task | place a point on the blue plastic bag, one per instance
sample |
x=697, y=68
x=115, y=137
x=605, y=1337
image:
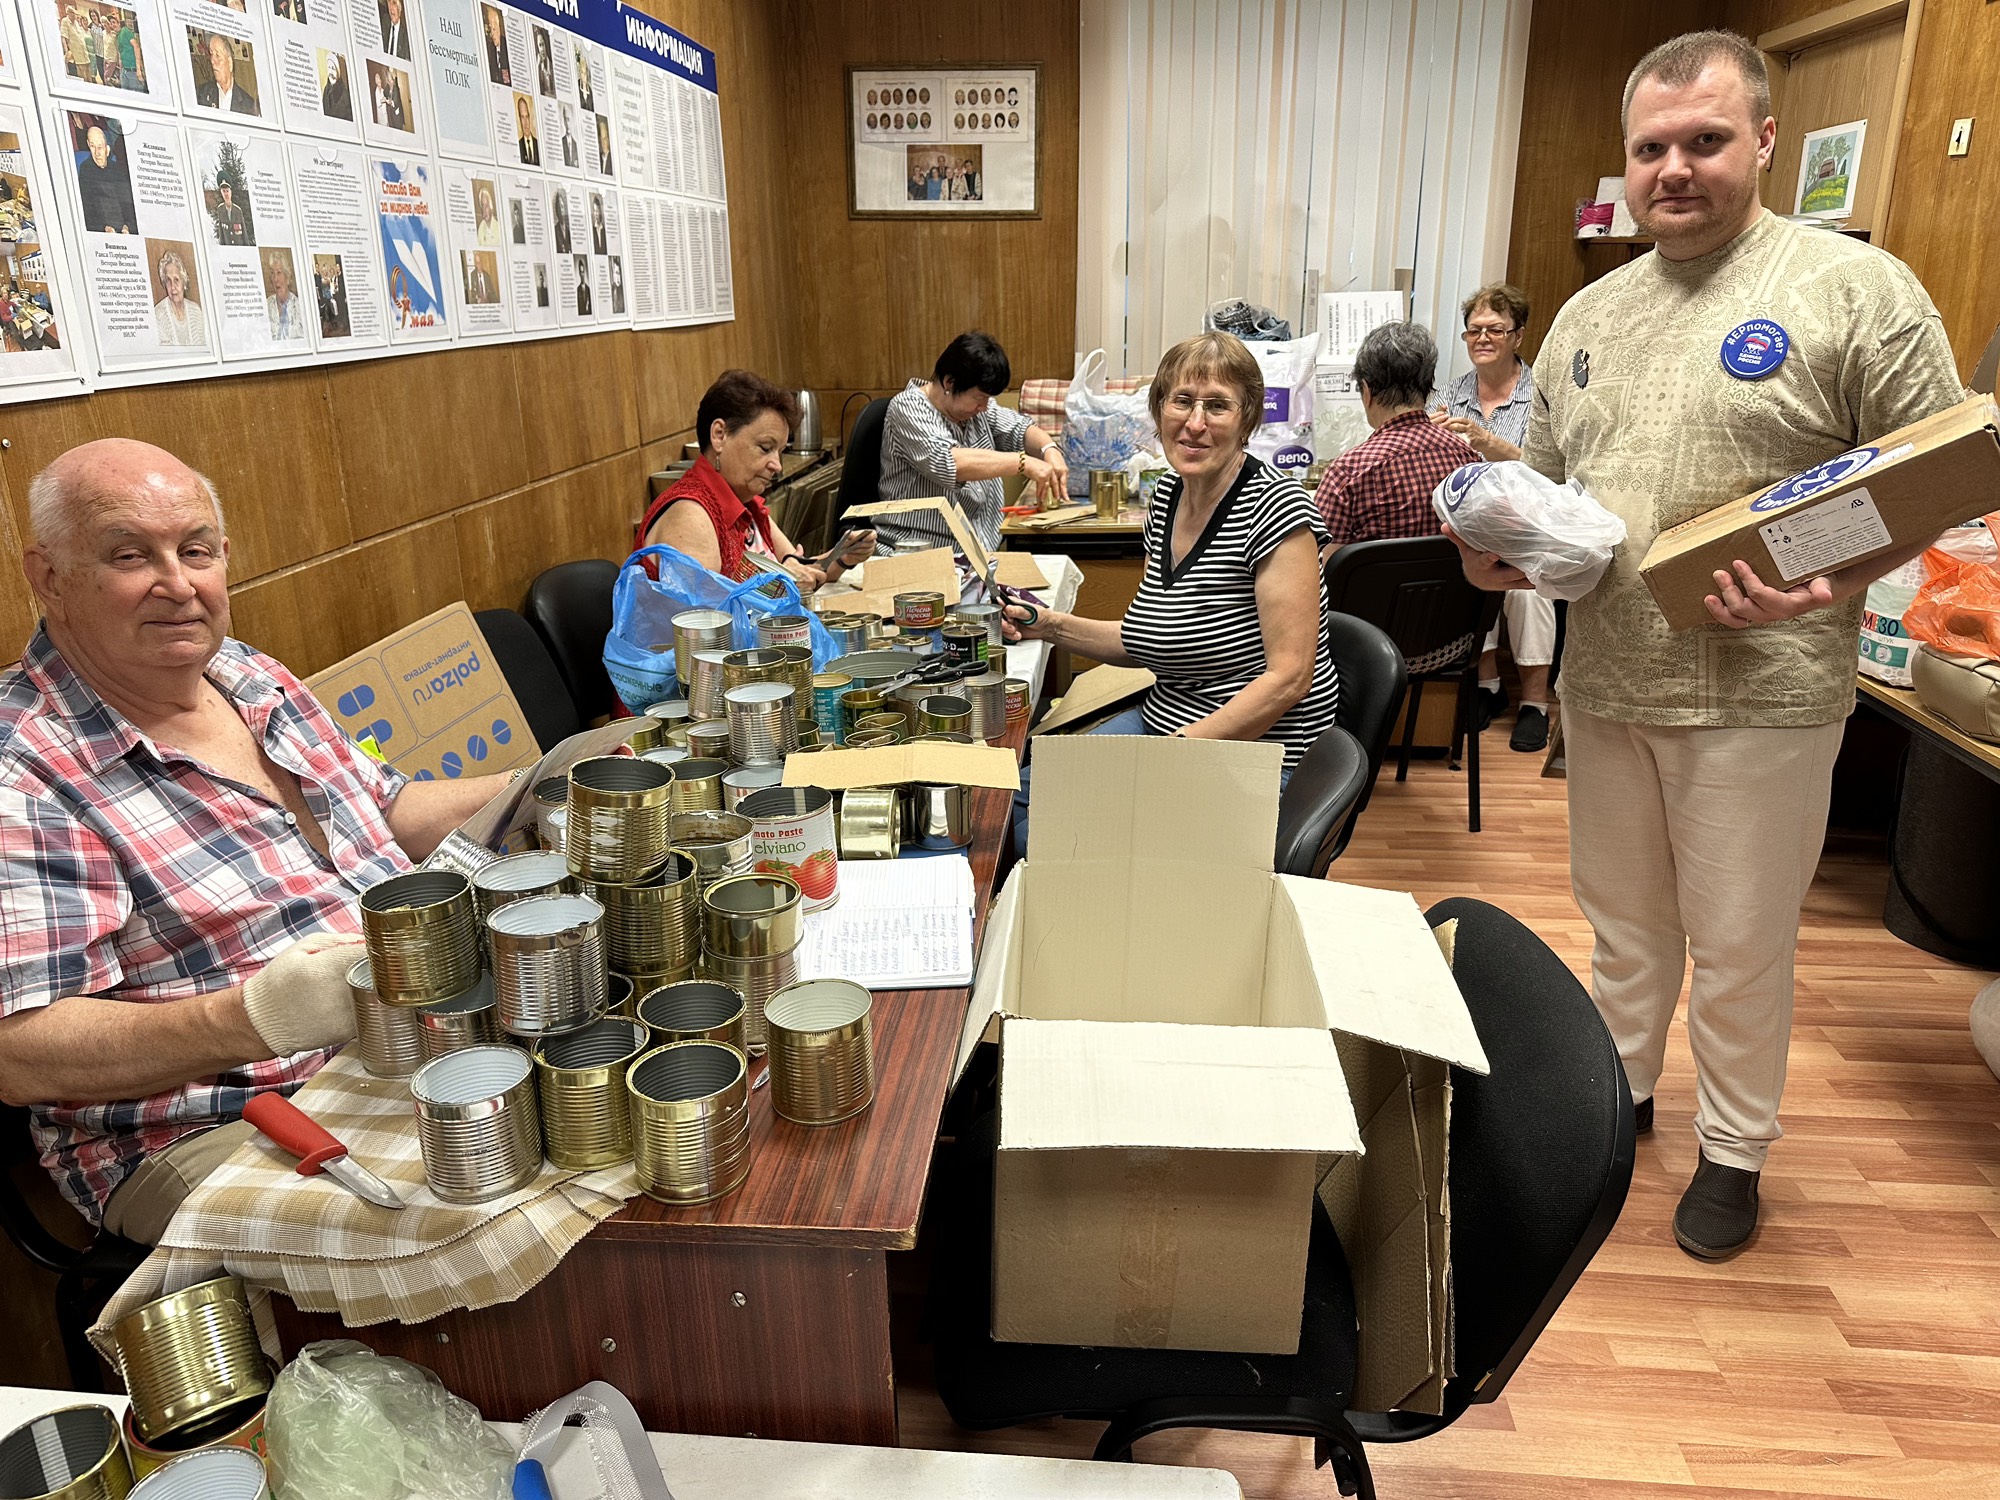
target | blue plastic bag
x=639, y=651
x=1101, y=430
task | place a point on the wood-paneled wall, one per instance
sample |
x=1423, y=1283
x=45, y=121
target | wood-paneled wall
x=1943, y=208
x=361, y=497
x=879, y=298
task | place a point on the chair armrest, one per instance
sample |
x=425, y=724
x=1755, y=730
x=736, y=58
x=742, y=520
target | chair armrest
x=1323, y=790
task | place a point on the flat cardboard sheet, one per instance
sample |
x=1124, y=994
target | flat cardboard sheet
x=432, y=698
x=896, y=572
x=954, y=520
x=1094, y=694
x=891, y=765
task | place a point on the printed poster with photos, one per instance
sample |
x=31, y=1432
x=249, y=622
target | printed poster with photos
x=384, y=34
x=407, y=212
x=530, y=270
x=350, y=306
x=35, y=344
x=944, y=141
x=143, y=275
x=111, y=53
x=250, y=243
x=472, y=211
x=314, y=61
x=222, y=61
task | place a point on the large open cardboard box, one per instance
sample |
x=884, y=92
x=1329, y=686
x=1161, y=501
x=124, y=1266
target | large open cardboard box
x=1191, y=1046
x=1904, y=487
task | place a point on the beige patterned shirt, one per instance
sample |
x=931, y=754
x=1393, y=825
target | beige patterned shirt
x=1632, y=399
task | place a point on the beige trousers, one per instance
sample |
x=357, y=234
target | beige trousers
x=1699, y=843
x=141, y=1205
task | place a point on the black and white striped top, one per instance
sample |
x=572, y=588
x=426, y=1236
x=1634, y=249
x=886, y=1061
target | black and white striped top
x=917, y=463
x=1195, y=627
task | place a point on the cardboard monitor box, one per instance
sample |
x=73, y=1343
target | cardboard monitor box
x=433, y=699
x=1186, y=1040
x=1903, y=488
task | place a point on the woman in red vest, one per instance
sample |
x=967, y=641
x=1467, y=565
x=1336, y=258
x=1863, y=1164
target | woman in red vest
x=715, y=512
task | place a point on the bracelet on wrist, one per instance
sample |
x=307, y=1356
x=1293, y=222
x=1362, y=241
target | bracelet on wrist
x=1022, y=466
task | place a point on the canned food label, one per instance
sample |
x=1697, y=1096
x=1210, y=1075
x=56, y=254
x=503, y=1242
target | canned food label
x=801, y=848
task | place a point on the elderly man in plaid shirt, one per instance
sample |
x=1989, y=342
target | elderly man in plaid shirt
x=183, y=832
x=1382, y=488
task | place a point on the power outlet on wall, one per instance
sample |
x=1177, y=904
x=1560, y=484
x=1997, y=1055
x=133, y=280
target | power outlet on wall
x=1961, y=137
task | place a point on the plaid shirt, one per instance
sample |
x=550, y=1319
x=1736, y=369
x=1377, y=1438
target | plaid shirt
x=130, y=872
x=1382, y=488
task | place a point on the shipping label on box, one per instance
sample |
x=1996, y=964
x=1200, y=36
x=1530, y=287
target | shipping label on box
x=432, y=700
x=1903, y=488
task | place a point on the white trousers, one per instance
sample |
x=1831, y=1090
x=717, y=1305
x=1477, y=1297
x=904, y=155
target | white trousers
x=1531, y=628
x=1699, y=843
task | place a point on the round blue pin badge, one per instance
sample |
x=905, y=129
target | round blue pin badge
x=1754, y=350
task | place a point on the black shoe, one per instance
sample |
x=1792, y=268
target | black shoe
x=1642, y=1117
x=1487, y=705
x=1531, y=730
x=1718, y=1212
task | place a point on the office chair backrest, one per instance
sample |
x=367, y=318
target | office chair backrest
x=1318, y=802
x=570, y=607
x=532, y=673
x=1372, y=681
x=1541, y=1149
x=861, y=464
x=1412, y=588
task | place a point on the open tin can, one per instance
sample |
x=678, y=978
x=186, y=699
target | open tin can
x=580, y=1079
x=690, y=1121
x=209, y=1474
x=189, y=1355
x=477, y=1124
x=73, y=1453
x=618, y=811
x=822, y=1051
x=422, y=936
x=548, y=964
x=694, y=1010
x=468, y=1020
x=390, y=1037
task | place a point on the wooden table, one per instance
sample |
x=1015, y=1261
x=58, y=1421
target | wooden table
x=765, y=1314
x=1110, y=553
x=1902, y=706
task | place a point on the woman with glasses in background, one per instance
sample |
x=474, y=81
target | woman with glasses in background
x=1230, y=616
x=1488, y=407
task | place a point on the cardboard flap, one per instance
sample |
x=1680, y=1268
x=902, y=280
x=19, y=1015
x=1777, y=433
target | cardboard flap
x=1089, y=1085
x=1101, y=797
x=1381, y=974
x=998, y=974
x=895, y=572
x=954, y=520
x=1094, y=693
x=1019, y=570
x=891, y=765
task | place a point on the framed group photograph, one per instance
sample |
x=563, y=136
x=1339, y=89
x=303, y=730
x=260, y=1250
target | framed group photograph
x=944, y=142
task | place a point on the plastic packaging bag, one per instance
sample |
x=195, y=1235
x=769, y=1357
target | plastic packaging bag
x=639, y=651
x=1884, y=646
x=1958, y=613
x=1246, y=320
x=345, y=1423
x=1284, y=438
x=1101, y=430
x=1555, y=533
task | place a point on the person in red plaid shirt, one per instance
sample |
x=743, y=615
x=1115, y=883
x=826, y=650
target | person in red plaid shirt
x=183, y=833
x=1382, y=488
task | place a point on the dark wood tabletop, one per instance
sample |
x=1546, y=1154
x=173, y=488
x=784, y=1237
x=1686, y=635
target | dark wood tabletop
x=859, y=1183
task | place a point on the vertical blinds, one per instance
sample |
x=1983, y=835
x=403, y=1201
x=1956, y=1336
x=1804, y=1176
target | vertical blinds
x=1275, y=149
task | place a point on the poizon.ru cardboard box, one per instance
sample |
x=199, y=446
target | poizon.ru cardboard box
x=432, y=699
x=1186, y=1042
x=1901, y=489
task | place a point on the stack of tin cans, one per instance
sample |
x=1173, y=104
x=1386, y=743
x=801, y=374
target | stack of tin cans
x=751, y=926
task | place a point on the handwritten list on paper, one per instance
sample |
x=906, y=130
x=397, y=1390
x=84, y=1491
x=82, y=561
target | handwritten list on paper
x=899, y=924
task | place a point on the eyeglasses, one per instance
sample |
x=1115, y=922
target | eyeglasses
x=1477, y=335
x=1181, y=404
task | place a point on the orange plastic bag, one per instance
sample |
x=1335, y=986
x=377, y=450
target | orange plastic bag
x=1959, y=613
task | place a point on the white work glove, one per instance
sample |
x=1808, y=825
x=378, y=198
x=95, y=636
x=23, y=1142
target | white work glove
x=300, y=1000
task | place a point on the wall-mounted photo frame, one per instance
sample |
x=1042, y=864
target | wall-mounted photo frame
x=944, y=142
x=1830, y=170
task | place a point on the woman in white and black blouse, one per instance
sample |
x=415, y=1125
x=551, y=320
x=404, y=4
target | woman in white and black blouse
x=1230, y=616
x=944, y=436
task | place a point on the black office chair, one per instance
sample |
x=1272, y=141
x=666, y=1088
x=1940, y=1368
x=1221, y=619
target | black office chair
x=1372, y=682
x=570, y=607
x=1541, y=1158
x=861, y=465
x=1414, y=589
x=1320, y=803
x=85, y=1279
x=531, y=672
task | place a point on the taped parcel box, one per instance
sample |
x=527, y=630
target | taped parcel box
x=1901, y=489
x=1188, y=1046
x=433, y=699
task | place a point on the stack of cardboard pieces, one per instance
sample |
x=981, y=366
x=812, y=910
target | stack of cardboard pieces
x=1191, y=1049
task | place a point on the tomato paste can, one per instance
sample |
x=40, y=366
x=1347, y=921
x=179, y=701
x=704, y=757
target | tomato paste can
x=792, y=834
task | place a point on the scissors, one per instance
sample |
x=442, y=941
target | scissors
x=1003, y=596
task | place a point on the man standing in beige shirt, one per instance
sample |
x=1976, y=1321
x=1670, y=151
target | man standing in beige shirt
x=1741, y=351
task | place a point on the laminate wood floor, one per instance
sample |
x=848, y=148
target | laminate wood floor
x=1853, y=1351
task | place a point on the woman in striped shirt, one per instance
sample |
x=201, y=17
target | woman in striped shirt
x=1230, y=616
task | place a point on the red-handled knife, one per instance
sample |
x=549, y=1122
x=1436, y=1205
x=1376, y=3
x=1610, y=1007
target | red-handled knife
x=293, y=1130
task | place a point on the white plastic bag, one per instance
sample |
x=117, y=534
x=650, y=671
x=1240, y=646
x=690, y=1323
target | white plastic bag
x=1555, y=533
x=1101, y=430
x=1885, y=651
x=1284, y=436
